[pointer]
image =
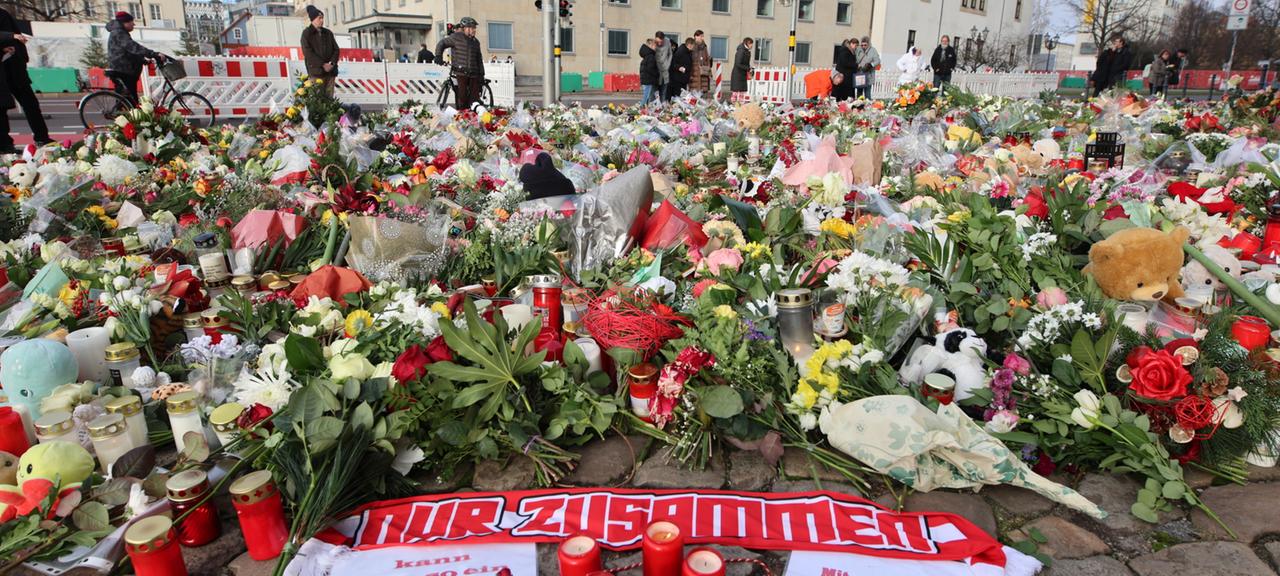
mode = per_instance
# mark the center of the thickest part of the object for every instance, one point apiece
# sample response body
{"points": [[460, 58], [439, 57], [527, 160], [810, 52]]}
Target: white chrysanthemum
{"points": [[114, 170], [861, 274], [270, 388]]}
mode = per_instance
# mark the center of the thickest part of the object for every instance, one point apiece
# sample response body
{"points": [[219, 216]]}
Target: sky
{"points": [[1064, 20]]}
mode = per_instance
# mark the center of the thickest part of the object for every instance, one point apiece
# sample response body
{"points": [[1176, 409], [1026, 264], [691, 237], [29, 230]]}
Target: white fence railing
{"points": [[244, 87], [771, 84]]}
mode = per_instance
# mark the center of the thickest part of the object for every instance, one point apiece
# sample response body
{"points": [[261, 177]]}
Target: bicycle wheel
{"points": [[443, 100], [486, 95], [197, 109], [98, 110]]}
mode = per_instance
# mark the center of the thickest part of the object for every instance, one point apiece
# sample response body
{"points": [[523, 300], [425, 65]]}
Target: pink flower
{"points": [[723, 258], [1050, 297], [1018, 364]]}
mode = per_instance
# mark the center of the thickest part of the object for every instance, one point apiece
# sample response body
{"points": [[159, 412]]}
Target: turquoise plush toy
{"points": [[31, 369]]}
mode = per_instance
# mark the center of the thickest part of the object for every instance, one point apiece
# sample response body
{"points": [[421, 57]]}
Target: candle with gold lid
{"points": [[122, 359], [261, 513], [130, 407], [223, 421], [111, 440], [152, 545], [187, 493], [56, 425], [184, 416]]}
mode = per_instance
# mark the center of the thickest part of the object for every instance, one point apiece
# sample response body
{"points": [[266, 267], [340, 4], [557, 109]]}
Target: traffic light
{"points": [[448, 29], [566, 8]]}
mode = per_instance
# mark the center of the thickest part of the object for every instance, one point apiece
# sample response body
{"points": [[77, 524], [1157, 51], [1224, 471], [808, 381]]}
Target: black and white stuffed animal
{"points": [[959, 354]]}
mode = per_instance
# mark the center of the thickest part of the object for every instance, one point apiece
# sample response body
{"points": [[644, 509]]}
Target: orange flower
{"points": [[502, 215]]}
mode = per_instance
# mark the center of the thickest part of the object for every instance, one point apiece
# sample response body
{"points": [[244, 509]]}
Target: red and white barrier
{"points": [[718, 75], [250, 87], [772, 84]]}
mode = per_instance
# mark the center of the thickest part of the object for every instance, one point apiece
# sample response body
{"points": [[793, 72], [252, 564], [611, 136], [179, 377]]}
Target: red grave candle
{"points": [[1251, 332], [153, 549], [663, 549], [704, 562], [261, 513], [579, 556], [13, 435], [201, 525]]}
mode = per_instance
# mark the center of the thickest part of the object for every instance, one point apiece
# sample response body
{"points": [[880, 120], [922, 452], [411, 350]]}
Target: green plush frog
{"points": [[46, 467]]}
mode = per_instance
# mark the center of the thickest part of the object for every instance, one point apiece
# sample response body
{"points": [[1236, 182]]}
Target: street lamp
{"points": [[1050, 43]]}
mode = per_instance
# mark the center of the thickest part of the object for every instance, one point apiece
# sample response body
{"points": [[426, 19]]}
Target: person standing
{"points": [[19, 83], [648, 71], [425, 56], [910, 66], [700, 80], [943, 62], [9, 44], [126, 57], [681, 69], [1181, 63], [1112, 65], [320, 50], [741, 70], [867, 60], [664, 53], [845, 65], [1162, 70], [467, 66]]}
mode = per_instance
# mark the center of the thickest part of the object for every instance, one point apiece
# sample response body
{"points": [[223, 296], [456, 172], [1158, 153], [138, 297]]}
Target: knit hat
{"points": [[313, 13], [542, 180], [123, 17]]}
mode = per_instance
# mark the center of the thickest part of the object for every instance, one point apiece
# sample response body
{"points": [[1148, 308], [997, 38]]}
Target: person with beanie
{"points": [[542, 180], [125, 57], [320, 50]]}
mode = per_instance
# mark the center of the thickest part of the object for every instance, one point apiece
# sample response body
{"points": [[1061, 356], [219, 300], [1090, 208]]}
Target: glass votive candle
{"points": [[795, 322], [122, 359], [131, 408], [153, 549], [223, 422], [1251, 332], [56, 425], [261, 513], [187, 493], [184, 416], [110, 437]]}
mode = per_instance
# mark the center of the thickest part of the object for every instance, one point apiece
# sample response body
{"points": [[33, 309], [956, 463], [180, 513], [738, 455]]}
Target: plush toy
{"points": [[1028, 159], [31, 369], [8, 469], [959, 354], [1197, 279], [1139, 264], [45, 467], [750, 116], [1049, 149]]}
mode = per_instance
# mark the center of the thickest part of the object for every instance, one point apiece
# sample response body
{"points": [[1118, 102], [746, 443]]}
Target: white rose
{"points": [[53, 250], [304, 330], [120, 283], [350, 366], [1088, 402], [808, 421], [1085, 421]]}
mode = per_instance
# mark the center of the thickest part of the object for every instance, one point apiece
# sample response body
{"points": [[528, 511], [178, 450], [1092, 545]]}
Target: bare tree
{"points": [[55, 10], [996, 54], [1103, 19]]}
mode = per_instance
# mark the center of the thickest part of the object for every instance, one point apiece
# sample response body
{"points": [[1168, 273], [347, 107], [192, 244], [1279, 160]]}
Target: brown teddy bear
{"points": [[1139, 264]]}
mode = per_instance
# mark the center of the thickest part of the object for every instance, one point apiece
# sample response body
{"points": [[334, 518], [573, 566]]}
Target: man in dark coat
{"points": [[8, 41], [741, 69], [19, 83], [845, 64], [125, 57], [425, 56], [681, 69], [467, 65], [649, 78], [320, 50], [943, 62], [1112, 65]]}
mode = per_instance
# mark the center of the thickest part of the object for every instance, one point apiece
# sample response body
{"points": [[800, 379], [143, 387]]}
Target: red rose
{"points": [[129, 131], [1160, 376], [412, 363], [1135, 356], [438, 350], [253, 416], [1036, 205], [1115, 212]]}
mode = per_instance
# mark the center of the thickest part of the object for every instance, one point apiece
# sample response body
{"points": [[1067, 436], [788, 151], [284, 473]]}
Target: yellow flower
{"points": [[264, 154], [807, 394], [839, 228], [441, 308], [755, 250], [682, 190], [724, 311], [300, 92], [67, 295], [291, 112], [319, 80], [96, 210], [307, 83], [357, 321], [486, 118], [958, 217]]}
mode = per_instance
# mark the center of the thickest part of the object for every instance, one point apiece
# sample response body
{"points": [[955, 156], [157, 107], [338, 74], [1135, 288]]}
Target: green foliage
{"points": [[94, 54]]}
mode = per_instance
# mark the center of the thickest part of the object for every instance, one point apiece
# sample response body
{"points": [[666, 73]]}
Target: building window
{"points": [[620, 2], [619, 40], [500, 36], [806, 10], [671, 4], [764, 50], [364, 9], [802, 52], [1017, 11], [764, 8], [844, 13], [88, 8], [911, 38], [155, 11], [342, 12], [112, 8], [719, 47], [673, 38], [566, 40], [237, 34], [135, 8], [982, 5], [719, 6]]}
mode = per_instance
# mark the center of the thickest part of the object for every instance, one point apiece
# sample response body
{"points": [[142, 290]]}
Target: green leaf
{"points": [[744, 215], [1147, 498], [195, 447], [351, 389], [362, 416], [720, 401], [475, 393], [1144, 512], [91, 517], [114, 492], [1172, 490], [304, 353], [136, 463], [322, 433], [453, 433]]}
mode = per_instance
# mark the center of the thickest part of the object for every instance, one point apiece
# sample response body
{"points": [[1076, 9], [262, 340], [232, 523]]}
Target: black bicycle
{"points": [[447, 89], [99, 109]]}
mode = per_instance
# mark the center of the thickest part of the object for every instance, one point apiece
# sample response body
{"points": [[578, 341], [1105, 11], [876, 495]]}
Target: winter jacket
{"points": [[910, 65], [648, 66], [944, 59], [467, 59], [123, 54], [701, 60], [1162, 71], [741, 69], [664, 62], [844, 61], [318, 48], [683, 58], [867, 59], [1111, 67], [19, 59], [6, 96], [425, 56]]}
